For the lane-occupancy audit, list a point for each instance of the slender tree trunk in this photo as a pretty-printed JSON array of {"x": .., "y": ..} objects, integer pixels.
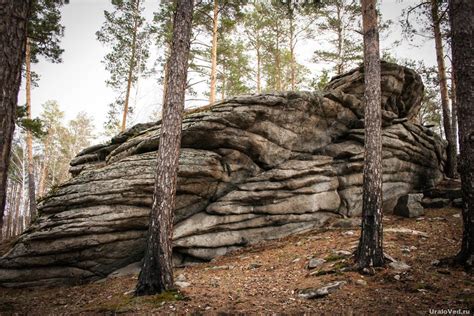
[
  {"x": 131, "y": 67},
  {"x": 277, "y": 57},
  {"x": 17, "y": 211},
  {"x": 13, "y": 25},
  {"x": 462, "y": 25},
  {"x": 212, "y": 94},
  {"x": 29, "y": 137},
  {"x": 340, "y": 64},
  {"x": 10, "y": 207},
  {"x": 454, "y": 113},
  {"x": 156, "y": 275},
  {"x": 44, "y": 168},
  {"x": 443, "y": 85},
  {"x": 370, "y": 251},
  {"x": 8, "y": 231},
  {"x": 259, "y": 64},
  {"x": 223, "y": 82},
  {"x": 292, "y": 52}
]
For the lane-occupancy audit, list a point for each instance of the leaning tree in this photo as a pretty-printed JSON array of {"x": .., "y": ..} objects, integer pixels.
[{"x": 156, "y": 274}]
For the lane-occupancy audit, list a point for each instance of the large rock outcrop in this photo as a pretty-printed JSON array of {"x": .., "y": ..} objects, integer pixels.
[{"x": 251, "y": 168}]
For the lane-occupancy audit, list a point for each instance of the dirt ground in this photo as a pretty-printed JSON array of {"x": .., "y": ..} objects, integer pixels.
[{"x": 266, "y": 279}]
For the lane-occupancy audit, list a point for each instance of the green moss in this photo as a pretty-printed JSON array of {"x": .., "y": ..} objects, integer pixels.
[
  {"x": 159, "y": 299},
  {"x": 340, "y": 265},
  {"x": 120, "y": 304}
]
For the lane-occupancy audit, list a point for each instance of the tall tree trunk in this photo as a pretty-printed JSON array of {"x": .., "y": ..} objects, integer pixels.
[
  {"x": 259, "y": 64},
  {"x": 454, "y": 113},
  {"x": 44, "y": 168},
  {"x": 462, "y": 25},
  {"x": 13, "y": 25},
  {"x": 29, "y": 137},
  {"x": 10, "y": 207},
  {"x": 370, "y": 251},
  {"x": 16, "y": 225},
  {"x": 443, "y": 85},
  {"x": 292, "y": 51},
  {"x": 340, "y": 64},
  {"x": 156, "y": 275},
  {"x": 131, "y": 67},
  {"x": 212, "y": 94},
  {"x": 277, "y": 57},
  {"x": 223, "y": 82}
]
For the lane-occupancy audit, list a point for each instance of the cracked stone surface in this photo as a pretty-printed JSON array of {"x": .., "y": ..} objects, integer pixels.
[{"x": 252, "y": 168}]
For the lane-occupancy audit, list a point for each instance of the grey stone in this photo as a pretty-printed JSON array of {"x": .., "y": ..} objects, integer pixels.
[
  {"x": 252, "y": 168},
  {"x": 445, "y": 193},
  {"x": 315, "y": 262},
  {"x": 361, "y": 282},
  {"x": 409, "y": 206},
  {"x": 182, "y": 284},
  {"x": 435, "y": 202},
  {"x": 399, "y": 266},
  {"x": 181, "y": 278},
  {"x": 312, "y": 293},
  {"x": 403, "y": 230}
]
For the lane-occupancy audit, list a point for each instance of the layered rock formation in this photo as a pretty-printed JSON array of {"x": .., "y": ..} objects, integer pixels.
[{"x": 251, "y": 168}]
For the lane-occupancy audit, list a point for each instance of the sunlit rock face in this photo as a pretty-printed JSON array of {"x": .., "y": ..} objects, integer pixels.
[{"x": 252, "y": 168}]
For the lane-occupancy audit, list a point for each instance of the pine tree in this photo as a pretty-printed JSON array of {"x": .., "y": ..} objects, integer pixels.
[
  {"x": 432, "y": 19},
  {"x": 215, "y": 19},
  {"x": 13, "y": 30},
  {"x": 340, "y": 24},
  {"x": 44, "y": 34},
  {"x": 127, "y": 34},
  {"x": 156, "y": 274},
  {"x": 370, "y": 250},
  {"x": 462, "y": 23},
  {"x": 254, "y": 28},
  {"x": 234, "y": 68}
]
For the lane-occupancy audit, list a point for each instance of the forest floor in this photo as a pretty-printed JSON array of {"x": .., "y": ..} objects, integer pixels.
[{"x": 266, "y": 279}]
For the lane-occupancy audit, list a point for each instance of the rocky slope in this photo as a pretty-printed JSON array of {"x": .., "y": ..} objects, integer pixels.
[{"x": 251, "y": 168}]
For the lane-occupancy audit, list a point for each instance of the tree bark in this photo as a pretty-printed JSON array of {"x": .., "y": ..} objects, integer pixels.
[
  {"x": 454, "y": 114},
  {"x": 443, "y": 87},
  {"x": 156, "y": 275},
  {"x": 29, "y": 137},
  {"x": 212, "y": 94},
  {"x": 13, "y": 26},
  {"x": 370, "y": 251},
  {"x": 462, "y": 26},
  {"x": 131, "y": 68},
  {"x": 165, "y": 79}
]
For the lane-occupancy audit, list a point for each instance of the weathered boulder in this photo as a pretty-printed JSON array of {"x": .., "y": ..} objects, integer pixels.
[
  {"x": 252, "y": 168},
  {"x": 409, "y": 205}
]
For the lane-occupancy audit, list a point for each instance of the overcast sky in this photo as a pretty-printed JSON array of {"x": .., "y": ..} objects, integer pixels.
[{"x": 78, "y": 83}]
